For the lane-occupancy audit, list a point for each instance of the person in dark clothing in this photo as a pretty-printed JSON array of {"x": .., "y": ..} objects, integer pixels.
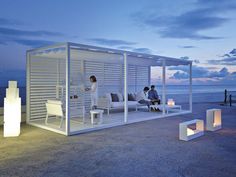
[{"x": 153, "y": 95}]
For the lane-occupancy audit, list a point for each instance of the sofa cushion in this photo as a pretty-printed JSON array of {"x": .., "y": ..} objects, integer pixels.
[
  {"x": 121, "y": 104},
  {"x": 114, "y": 97},
  {"x": 117, "y": 104},
  {"x": 108, "y": 96},
  {"x": 131, "y": 97},
  {"x": 120, "y": 96},
  {"x": 132, "y": 103}
]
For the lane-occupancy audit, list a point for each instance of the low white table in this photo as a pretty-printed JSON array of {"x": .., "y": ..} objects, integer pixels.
[
  {"x": 167, "y": 107},
  {"x": 187, "y": 134},
  {"x": 98, "y": 112}
]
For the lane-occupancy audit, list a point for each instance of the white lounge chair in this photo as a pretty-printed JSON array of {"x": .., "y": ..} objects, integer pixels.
[{"x": 54, "y": 108}]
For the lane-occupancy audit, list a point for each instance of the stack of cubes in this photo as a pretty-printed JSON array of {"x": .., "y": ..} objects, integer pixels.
[{"x": 12, "y": 111}]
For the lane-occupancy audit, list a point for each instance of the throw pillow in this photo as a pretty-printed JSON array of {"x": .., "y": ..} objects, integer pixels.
[
  {"x": 120, "y": 96},
  {"x": 131, "y": 97},
  {"x": 114, "y": 97}
]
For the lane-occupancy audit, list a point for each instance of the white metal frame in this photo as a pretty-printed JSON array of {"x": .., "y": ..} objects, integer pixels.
[{"x": 148, "y": 59}]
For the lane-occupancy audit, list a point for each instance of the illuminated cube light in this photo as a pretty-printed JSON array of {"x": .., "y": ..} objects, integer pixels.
[
  {"x": 213, "y": 119},
  {"x": 12, "y": 111},
  {"x": 170, "y": 102},
  {"x": 186, "y": 133}
]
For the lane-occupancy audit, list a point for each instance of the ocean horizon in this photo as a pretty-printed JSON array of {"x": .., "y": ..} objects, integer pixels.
[{"x": 201, "y": 93}]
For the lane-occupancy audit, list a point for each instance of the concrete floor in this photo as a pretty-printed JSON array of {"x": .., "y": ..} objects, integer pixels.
[{"x": 143, "y": 149}]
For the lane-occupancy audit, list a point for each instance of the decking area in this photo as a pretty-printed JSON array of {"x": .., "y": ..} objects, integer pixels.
[{"x": 80, "y": 125}]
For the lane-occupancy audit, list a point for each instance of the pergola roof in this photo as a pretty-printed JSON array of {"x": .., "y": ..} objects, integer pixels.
[{"x": 54, "y": 51}]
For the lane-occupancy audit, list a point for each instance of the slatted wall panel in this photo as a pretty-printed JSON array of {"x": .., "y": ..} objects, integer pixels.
[
  {"x": 76, "y": 88},
  {"x": 142, "y": 74},
  {"x": 97, "y": 69},
  {"x": 112, "y": 78},
  {"x": 43, "y": 80},
  {"x": 108, "y": 76},
  {"x": 132, "y": 73}
]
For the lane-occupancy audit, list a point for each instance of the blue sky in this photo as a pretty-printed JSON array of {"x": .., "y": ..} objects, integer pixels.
[{"x": 199, "y": 30}]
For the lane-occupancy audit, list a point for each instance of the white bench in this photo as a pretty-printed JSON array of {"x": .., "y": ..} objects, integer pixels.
[
  {"x": 186, "y": 133},
  {"x": 213, "y": 119},
  {"x": 97, "y": 112}
]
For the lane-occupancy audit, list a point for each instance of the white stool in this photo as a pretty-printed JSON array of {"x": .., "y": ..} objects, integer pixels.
[
  {"x": 187, "y": 134},
  {"x": 213, "y": 119},
  {"x": 94, "y": 112}
]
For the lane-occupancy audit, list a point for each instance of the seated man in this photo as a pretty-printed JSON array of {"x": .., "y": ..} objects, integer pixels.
[
  {"x": 153, "y": 96},
  {"x": 142, "y": 97}
]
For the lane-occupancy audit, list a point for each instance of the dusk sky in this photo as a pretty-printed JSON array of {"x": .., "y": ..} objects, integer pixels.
[{"x": 198, "y": 30}]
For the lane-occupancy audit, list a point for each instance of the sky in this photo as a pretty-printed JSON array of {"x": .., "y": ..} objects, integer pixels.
[{"x": 199, "y": 30}]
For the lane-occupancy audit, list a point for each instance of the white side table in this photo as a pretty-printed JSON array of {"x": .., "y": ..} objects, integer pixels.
[
  {"x": 213, "y": 119},
  {"x": 98, "y": 112}
]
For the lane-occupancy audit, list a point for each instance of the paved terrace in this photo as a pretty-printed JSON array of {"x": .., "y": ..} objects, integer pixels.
[{"x": 143, "y": 149}]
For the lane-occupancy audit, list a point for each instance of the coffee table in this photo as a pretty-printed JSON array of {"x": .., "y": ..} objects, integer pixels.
[{"x": 167, "y": 107}]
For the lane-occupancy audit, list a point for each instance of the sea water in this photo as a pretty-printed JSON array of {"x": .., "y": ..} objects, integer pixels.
[{"x": 201, "y": 93}]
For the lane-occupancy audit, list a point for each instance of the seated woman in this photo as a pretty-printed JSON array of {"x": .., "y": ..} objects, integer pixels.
[
  {"x": 142, "y": 97},
  {"x": 153, "y": 96}
]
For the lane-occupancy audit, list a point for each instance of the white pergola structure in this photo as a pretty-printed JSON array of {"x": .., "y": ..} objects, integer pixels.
[{"x": 61, "y": 72}]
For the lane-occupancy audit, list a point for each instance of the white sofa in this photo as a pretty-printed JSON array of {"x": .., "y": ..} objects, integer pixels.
[{"x": 105, "y": 102}]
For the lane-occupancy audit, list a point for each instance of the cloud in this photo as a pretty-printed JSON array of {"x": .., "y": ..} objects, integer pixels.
[
  {"x": 6, "y": 21},
  {"x": 26, "y": 33},
  {"x": 111, "y": 42},
  {"x": 219, "y": 5},
  {"x": 187, "y": 58},
  {"x": 125, "y": 47},
  {"x": 180, "y": 75},
  {"x": 198, "y": 72},
  {"x": 33, "y": 43},
  {"x": 226, "y": 59},
  {"x": 190, "y": 24},
  {"x": 22, "y": 37},
  {"x": 233, "y": 52},
  {"x": 187, "y": 47},
  {"x": 142, "y": 50}
]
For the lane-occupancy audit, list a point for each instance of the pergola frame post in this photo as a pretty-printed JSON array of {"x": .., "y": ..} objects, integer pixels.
[
  {"x": 28, "y": 87},
  {"x": 164, "y": 86},
  {"x": 125, "y": 88},
  {"x": 67, "y": 116},
  {"x": 190, "y": 88}
]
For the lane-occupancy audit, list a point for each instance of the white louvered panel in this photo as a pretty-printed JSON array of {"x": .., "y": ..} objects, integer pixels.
[
  {"x": 131, "y": 75},
  {"x": 77, "y": 81},
  {"x": 45, "y": 74},
  {"x": 112, "y": 75},
  {"x": 97, "y": 69},
  {"x": 142, "y": 77}
]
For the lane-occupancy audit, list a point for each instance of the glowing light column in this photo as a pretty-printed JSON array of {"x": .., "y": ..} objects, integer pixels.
[{"x": 12, "y": 110}]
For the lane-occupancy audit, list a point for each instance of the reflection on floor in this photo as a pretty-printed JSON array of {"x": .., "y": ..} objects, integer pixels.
[{"x": 115, "y": 118}]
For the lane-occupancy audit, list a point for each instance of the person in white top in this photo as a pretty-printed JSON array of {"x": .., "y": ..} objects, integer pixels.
[
  {"x": 142, "y": 97},
  {"x": 93, "y": 91}
]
